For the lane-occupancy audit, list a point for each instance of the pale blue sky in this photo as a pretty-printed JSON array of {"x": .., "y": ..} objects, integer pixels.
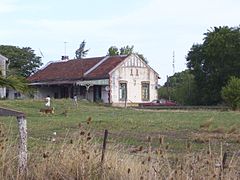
[{"x": 156, "y": 28}]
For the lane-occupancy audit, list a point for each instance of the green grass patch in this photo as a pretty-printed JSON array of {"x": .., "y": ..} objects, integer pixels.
[{"x": 126, "y": 126}]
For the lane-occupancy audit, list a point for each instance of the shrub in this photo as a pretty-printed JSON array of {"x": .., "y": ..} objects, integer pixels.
[{"x": 231, "y": 93}]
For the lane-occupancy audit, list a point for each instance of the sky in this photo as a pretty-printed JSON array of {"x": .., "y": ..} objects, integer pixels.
[{"x": 156, "y": 28}]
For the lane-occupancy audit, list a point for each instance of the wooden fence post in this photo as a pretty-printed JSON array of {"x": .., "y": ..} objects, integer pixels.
[
  {"x": 104, "y": 144},
  {"x": 22, "y": 126}
]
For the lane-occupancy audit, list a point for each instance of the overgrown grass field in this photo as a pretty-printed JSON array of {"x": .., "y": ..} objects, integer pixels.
[
  {"x": 126, "y": 126},
  {"x": 142, "y": 144}
]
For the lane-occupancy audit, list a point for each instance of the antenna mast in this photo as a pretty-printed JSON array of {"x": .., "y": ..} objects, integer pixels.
[
  {"x": 173, "y": 64},
  {"x": 65, "y": 48}
]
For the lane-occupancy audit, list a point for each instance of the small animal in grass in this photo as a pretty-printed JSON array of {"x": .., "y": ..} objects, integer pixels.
[{"x": 47, "y": 110}]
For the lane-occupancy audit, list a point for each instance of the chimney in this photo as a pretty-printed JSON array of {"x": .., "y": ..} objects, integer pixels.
[{"x": 64, "y": 57}]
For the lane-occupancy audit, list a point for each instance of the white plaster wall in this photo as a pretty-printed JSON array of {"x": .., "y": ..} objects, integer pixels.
[
  {"x": 2, "y": 92},
  {"x": 3, "y": 68},
  {"x": 133, "y": 71},
  {"x": 104, "y": 94},
  {"x": 11, "y": 95},
  {"x": 90, "y": 94},
  {"x": 3, "y": 65}
]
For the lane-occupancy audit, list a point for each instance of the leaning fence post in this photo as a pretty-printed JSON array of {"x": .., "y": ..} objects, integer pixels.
[
  {"x": 22, "y": 126},
  {"x": 104, "y": 144}
]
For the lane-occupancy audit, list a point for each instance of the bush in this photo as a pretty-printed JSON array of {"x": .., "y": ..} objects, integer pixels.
[{"x": 231, "y": 93}]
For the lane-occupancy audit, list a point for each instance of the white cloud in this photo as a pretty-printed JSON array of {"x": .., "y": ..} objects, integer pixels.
[
  {"x": 7, "y": 7},
  {"x": 156, "y": 29}
]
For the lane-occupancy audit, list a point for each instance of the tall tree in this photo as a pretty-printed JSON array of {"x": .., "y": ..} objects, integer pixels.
[
  {"x": 180, "y": 87},
  {"x": 214, "y": 61},
  {"x": 126, "y": 50},
  {"x": 23, "y": 61},
  {"x": 81, "y": 52},
  {"x": 196, "y": 66},
  {"x": 231, "y": 93},
  {"x": 113, "y": 51}
]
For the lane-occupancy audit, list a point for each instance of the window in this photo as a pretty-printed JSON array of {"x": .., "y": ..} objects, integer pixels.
[
  {"x": 122, "y": 91},
  {"x": 17, "y": 95},
  {"x": 136, "y": 72},
  {"x": 131, "y": 72},
  {"x": 145, "y": 91}
]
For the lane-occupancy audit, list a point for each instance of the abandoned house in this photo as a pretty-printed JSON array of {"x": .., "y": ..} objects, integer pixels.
[{"x": 119, "y": 80}]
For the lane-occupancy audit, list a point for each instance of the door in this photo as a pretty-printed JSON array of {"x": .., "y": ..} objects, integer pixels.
[
  {"x": 97, "y": 93},
  {"x": 64, "y": 92}
]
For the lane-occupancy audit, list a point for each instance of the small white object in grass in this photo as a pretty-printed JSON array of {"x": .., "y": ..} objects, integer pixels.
[
  {"x": 53, "y": 139},
  {"x": 54, "y": 133}
]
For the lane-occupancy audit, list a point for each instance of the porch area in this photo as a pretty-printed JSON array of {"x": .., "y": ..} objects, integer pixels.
[{"x": 94, "y": 91}]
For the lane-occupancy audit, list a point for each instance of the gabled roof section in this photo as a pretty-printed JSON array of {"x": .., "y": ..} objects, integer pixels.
[
  {"x": 102, "y": 71},
  {"x": 96, "y": 68},
  {"x": 129, "y": 56},
  {"x": 64, "y": 70}
]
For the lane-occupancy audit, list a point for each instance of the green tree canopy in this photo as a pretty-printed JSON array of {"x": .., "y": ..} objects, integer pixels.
[
  {"x": 214, "y": 61},
  {"x": 126, "y": 50},
  {"x": 23, "y": 61},
  {"x": 180, "y": 87},
  {"x": 81, "y": 52},
  {"x": 113, "y": 51},
  {"x": 14, "y": 82},
  {"x": 231, "y": 93}
]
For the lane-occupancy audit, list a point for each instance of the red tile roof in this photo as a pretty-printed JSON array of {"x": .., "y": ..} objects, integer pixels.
[
  {"x": 102, "y": 70},
  {"x": 74, "y": 69}
]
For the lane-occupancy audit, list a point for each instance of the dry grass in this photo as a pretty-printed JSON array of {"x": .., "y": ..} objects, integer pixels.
[
  {"x": 78, "y": 156},
  {"x": 232, "y": 130},
  {"x": 207, "y": 124}
]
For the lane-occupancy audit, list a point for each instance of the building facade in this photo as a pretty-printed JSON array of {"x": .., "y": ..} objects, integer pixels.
[
  {"x": 118, "y": 80},
  {"x": 3, "y": 68}
]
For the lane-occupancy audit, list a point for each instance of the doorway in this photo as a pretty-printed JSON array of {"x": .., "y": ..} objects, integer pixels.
[
  {"x": 64, "y": 92},
  {"x": 97, "y": 93}
]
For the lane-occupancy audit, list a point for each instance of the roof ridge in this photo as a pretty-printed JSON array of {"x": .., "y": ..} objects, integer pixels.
[
  {"x": 67, "y": 60},
  {"x": 96, "y": 65},
  {"x": 46, "y": 65}
]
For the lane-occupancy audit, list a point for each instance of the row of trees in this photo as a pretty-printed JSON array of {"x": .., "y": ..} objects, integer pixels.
[
  {"x": 125, "y": 50},
  {"x": 180, "y": 87},
  {"x": 210, "y": 67},
  {"x": 112, "y": 51},
  {"x": 22, "y": 63}
]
